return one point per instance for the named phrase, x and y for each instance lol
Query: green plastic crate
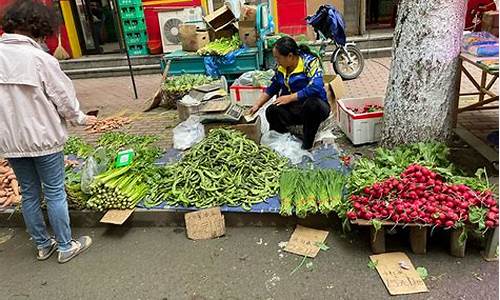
(128, 2)
(134, 25)
(139, 37)
(132, 12)
(137, 49)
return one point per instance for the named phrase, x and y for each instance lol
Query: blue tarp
(213, 63)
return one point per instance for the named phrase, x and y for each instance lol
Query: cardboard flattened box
(205, 224)
(251, 130)
(248, 33)
(191, 38)
(220, 18)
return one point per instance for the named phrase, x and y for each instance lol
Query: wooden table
(486, 96)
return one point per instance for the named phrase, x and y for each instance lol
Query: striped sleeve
(315, 86)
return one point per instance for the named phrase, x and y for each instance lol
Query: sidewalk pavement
(115, 95)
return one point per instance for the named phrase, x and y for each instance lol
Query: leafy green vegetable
(479, 182)
(387, 163)
(372, 264)
(377, 224)
(77, 146)
(422, 272)
(221, 46)
(322, 246)
(477, 215)
(307, 191)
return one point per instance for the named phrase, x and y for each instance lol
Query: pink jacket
(36, 98)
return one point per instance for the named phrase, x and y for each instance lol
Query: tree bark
(422, 82)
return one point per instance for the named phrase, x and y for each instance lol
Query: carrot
(15, 187)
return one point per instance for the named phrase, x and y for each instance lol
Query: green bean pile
(224, 168)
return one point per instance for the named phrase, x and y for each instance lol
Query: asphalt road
(247, 263)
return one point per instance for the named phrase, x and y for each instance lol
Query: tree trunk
(422, 82)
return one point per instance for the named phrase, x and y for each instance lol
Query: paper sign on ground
(117, 217)
(398, 274)
(306, 241)
(205, 224)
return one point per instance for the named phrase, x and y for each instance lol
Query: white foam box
(245, 95)
(360, 128)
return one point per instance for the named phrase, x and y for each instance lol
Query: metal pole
(124, 42)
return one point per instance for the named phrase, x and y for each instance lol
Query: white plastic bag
(264, 124)
(95, 165)
(188, 133)
(286, 145)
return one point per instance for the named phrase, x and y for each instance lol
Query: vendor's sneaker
(46, 252)
(77, 247)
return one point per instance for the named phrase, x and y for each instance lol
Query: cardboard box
(335, 89)
(251, 130)
(227, 32)
(220, 18)
(191, 38)
(248, 33)
(248, 13)
(312, 7)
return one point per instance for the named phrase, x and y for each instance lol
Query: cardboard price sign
(398, 274)
(306, 241)
(205, 224)
(116, 217)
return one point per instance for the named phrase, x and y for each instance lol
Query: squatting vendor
(299, 87)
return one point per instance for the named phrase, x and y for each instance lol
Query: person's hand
(90, 120)
(283, 100)
(254, 109)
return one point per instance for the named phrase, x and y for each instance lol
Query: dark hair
(287, 45)
(29, 17)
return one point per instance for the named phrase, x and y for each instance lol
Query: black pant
(309, 113)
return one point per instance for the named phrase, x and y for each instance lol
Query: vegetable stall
(412, 185)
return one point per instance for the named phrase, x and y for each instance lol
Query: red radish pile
(368, 108)
(420, 196)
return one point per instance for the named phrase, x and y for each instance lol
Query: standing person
(98, 20)
(36, 100)
(298, 83)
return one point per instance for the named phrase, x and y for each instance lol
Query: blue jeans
(44, 173)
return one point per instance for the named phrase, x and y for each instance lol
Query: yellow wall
(70, 28)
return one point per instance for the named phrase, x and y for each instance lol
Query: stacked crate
(134, 26)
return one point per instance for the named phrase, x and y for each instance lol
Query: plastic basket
(134, 25)
(139, 37)
(137, 49)
(132, 12)
(129, 2)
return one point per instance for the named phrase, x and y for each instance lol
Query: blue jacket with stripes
(306, 80)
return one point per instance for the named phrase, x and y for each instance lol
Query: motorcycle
(347, 59)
